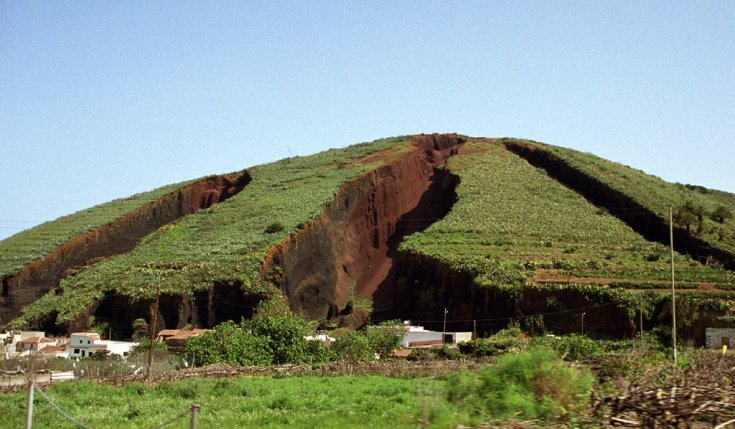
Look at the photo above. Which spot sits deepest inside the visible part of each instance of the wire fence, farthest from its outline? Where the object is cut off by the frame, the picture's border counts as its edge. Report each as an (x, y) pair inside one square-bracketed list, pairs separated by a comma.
[(192, 412)]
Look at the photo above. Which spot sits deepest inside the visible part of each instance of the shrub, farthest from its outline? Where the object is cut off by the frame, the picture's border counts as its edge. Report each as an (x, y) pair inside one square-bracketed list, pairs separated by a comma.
[(385, 338), (534, 384), (421, 355), (721, 214), (449, 353), (284, 336), (274, 227), (317, 352), (229, 343), (144, 345), (354, 346), (504, 341), (572, 347)]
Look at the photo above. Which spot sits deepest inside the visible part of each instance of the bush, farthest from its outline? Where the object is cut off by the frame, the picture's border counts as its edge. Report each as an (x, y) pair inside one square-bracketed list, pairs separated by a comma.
[(274, 227), (354, 346), (144, 345), (572, 347), (449, 353), (534, 384), (421, 355), (506, 340), (229, 343), (317, 352), (385, 338), (284, 336), (721, 214)]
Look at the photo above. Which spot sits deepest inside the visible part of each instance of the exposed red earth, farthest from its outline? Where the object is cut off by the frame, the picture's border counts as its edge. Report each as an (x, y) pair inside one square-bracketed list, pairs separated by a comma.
[(352, 244)]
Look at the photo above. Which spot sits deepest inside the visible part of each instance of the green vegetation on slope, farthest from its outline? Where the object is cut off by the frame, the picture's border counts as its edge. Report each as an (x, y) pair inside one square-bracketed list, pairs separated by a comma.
[(512, 219), (657, 195), (226, 243), (35, 243)]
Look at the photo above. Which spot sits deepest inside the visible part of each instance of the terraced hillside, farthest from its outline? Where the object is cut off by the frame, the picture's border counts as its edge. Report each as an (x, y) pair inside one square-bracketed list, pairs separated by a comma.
[(528, 245), (491, 229), (33, 262)]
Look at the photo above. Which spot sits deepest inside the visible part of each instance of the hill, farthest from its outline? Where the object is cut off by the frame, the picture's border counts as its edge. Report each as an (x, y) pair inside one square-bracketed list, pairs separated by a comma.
[(490, 229)]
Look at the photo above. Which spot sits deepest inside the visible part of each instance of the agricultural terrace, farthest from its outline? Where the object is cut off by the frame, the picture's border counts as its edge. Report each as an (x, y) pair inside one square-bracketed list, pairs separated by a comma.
[(37, 242), (513, 225), (226, 242), (657, 195)]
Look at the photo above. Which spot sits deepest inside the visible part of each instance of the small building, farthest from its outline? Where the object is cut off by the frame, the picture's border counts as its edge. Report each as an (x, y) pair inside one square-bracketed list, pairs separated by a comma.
[(54, 351), (176, 339), (417, 336), (33, 344), (85, 344), (718, 337)]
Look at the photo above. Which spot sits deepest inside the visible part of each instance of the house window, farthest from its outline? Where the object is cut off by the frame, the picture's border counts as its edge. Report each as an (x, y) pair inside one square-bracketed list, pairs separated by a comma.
[(76, 351), (89, 341)]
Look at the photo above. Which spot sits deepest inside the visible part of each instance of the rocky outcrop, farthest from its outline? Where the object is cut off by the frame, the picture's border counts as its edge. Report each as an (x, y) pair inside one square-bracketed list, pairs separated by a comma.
[(350, 248)]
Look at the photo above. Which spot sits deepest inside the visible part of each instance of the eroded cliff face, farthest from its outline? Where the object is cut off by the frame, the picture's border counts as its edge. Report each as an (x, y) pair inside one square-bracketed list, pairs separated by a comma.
[(121, 236), (351, 247)]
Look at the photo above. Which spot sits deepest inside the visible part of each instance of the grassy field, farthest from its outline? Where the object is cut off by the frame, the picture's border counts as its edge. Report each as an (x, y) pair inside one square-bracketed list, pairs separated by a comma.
[(512, 219), (298, 402), (227, 242), (24, 247)]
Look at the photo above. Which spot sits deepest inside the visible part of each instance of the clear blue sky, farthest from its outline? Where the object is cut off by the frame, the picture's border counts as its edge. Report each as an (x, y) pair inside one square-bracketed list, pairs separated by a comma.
[(100, 100)]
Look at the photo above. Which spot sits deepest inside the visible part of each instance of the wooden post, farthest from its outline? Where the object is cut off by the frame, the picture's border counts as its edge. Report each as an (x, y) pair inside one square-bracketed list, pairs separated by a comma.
[(153, 333), (673, 288), (195, 408), (29, 406), (444, 329), (474, 336)]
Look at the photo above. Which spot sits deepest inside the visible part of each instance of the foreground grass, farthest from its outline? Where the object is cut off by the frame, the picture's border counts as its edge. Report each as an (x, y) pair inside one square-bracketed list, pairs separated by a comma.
[(298, 402)]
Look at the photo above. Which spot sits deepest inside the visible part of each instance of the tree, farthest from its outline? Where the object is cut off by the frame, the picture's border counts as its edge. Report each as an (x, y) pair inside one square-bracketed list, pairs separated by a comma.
[(721, 214), (690, 214)]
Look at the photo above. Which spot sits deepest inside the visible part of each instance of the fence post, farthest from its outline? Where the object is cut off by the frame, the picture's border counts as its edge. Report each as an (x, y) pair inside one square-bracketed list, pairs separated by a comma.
[(195, 408), (29, 406)]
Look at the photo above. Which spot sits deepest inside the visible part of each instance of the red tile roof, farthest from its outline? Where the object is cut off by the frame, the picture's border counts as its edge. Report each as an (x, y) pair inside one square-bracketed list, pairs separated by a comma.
[(35, 340)]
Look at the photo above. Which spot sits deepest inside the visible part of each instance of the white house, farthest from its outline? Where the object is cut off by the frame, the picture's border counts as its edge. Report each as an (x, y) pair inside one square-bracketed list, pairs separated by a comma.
[(84, 344), (417, 336)]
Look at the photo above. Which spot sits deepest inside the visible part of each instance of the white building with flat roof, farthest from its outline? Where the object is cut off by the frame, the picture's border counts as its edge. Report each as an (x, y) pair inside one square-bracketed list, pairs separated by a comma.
[(84, 344)]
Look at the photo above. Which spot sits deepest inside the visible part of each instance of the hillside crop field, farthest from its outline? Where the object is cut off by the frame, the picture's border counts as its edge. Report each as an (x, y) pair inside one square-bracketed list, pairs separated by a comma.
[(511, 220), (657, 195), (27, 246), (502, 215), (225, 243)]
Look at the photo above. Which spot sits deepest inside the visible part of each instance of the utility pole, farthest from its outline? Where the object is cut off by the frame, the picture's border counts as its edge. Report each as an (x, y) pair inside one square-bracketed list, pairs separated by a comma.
[(640, 304), (153, 332), (583, 313), (673, 287), (29, 406), (444, 329)]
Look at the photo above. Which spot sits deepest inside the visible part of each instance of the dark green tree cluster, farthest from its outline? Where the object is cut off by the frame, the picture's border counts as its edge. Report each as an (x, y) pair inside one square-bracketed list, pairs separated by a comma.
[(279, 339)]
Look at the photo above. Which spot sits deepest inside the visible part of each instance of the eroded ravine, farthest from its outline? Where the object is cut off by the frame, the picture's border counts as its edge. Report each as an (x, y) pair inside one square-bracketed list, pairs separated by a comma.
[(352, 246), (118, 237)]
